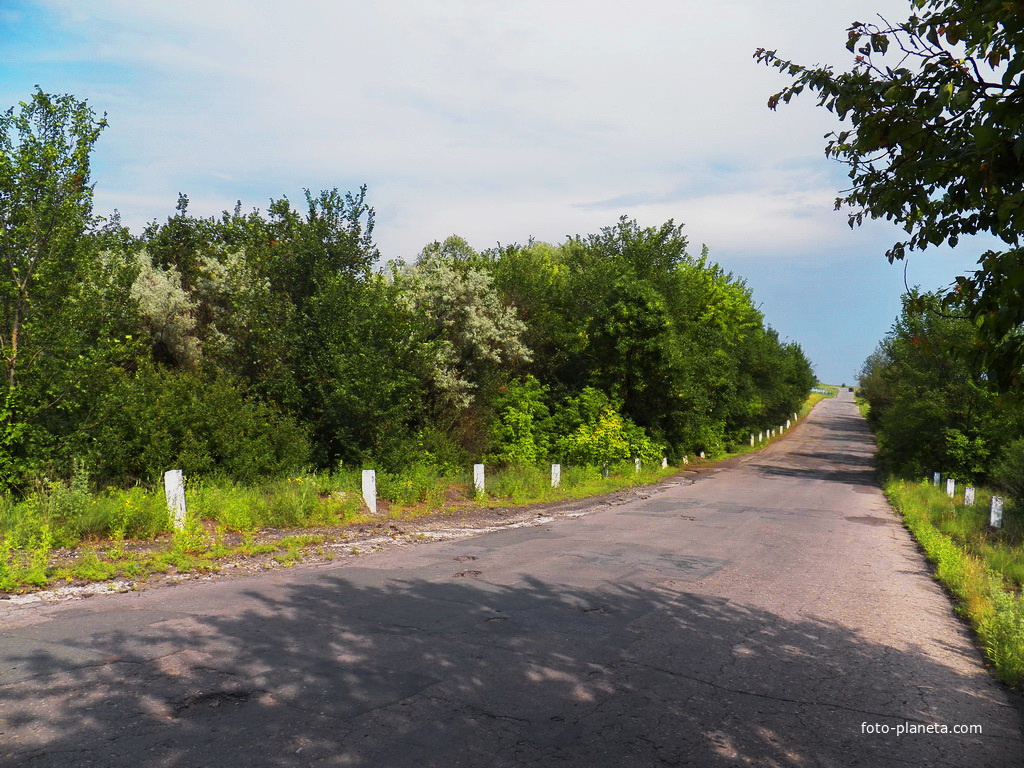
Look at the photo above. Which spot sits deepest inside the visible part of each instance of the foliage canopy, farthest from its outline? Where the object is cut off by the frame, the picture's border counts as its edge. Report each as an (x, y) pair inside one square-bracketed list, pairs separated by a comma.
[(935, 144), (257, 343)]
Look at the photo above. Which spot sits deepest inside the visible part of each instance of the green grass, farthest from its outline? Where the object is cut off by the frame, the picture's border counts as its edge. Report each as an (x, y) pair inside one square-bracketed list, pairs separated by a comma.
[(982, 568), (292, 502), (108, 527), (531, 485), (863, 406), (127, 534)]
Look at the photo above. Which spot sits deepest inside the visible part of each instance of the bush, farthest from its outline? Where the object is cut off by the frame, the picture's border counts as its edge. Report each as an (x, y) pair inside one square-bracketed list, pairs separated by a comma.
[(1008, 472), (601, 442), (594, 433), (521, 432), (160, 419), (966, 458)]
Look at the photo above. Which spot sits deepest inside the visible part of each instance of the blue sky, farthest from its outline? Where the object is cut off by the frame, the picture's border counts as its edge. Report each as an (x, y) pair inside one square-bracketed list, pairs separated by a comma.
[(497, 121)]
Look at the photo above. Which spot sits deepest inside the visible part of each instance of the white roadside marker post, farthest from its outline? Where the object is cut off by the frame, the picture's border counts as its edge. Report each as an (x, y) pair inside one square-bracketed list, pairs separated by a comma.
[(969, 496), (995, 518), (556, 475), (950, 487), (478, 478), (370, 490), (636, 466), (936, 477), (174, 490)]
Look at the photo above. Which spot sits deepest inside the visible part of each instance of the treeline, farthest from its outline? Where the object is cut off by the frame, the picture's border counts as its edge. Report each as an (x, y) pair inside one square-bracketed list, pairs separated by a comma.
[(253, 344), (932, 411)]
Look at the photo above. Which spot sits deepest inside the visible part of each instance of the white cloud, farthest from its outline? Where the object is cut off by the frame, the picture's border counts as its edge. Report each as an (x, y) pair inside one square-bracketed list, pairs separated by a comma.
[(516, 113)]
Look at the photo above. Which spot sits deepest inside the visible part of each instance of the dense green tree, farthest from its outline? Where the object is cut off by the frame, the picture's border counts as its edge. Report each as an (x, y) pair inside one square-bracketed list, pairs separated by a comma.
[(472, 331), (538, 282), (60, 318), (366, 375), (256, 343), (630, 335), (45, 207), (930, 410), (152, 419), (934, 144), (670, 337)]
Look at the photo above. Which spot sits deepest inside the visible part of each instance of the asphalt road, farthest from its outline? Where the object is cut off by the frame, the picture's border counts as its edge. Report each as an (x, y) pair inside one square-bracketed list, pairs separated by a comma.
[(760, 616)]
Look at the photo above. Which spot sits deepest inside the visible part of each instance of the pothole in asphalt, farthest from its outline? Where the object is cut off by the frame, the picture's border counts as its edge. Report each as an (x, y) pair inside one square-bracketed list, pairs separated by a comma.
[(467, 574), (203, 702)]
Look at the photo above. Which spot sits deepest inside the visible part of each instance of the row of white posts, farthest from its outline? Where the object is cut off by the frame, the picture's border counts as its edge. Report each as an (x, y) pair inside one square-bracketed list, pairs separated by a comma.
[(995, 515), (771, 432), (174, 486), (370, 480)]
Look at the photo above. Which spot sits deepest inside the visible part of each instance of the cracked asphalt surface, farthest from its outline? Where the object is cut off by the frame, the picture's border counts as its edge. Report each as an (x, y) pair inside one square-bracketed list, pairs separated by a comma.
[(756, 617)]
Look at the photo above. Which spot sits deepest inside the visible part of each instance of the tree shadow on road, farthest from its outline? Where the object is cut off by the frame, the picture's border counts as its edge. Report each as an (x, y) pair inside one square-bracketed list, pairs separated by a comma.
[(867, 477), (366, 667)]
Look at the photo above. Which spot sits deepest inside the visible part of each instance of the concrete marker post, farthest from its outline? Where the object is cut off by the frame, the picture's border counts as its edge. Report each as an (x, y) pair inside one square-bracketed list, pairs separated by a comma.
[(664, 462), (969, 496), (478, 478), (174, 491), (995, 518), (751, 441), (936, 478), (556, 475), (950, 487), (636, 465), (370, 490)]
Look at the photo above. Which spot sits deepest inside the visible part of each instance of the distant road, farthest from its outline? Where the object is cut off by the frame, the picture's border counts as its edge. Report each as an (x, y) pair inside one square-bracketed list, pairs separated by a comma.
[(769, 614)]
